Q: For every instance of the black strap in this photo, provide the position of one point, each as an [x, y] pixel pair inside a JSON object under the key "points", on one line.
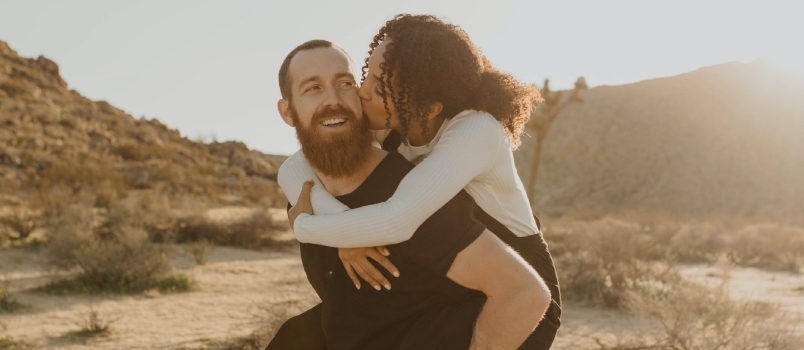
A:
{"points": [[392, 142]]}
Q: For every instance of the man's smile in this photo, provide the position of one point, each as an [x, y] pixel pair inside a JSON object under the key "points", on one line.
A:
{"points": [[333, 121]]}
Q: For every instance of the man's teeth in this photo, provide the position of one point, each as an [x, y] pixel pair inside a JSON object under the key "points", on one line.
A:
{"points": [[332, 121]]}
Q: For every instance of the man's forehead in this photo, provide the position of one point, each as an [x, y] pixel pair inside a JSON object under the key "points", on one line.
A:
{"points": [[323, 62]]}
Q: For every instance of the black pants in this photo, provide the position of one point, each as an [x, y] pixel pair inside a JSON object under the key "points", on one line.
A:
{"points": [[301, 332], [304, 332]]}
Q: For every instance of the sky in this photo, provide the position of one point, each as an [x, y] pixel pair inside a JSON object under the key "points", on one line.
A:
{"points": [[209, 68]]}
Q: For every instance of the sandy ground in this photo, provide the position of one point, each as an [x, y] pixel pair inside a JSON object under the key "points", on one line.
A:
{"points": [[238, 290], [235, 290]]}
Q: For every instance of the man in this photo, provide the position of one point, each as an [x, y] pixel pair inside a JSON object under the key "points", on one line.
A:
{"points": [[460, 287]]}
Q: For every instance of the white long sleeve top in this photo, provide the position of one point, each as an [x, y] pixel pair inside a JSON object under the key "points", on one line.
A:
{"points": [[470, 151]]}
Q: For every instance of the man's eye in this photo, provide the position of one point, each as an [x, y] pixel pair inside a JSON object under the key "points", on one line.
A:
{"points": [[348, 83], [312, 88]]}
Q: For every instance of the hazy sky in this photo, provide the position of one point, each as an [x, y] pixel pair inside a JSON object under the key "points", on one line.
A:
{"points": [[210, 67]]}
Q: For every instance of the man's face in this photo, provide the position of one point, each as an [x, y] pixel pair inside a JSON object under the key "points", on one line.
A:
{"points": [[323, 79], [326, 113], [371, 94]]}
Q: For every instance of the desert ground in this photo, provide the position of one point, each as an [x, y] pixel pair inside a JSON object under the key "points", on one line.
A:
{"points": [[240, 295]]}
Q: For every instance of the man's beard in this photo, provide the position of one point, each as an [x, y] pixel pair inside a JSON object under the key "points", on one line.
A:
{"points": [[335, 155]]}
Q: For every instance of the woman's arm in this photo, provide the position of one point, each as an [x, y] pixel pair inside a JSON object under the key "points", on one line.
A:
{"points": [[291, 177], [468, 147]]}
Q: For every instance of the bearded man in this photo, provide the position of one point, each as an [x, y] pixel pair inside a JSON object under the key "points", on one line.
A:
{"points": [[450, 266]]}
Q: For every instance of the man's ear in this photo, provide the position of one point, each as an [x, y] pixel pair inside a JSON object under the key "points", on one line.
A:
{"points": [[284, 110], [435, 110]]}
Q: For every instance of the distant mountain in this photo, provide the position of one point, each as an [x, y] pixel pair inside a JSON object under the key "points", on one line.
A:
{"points": [[721, 140], [51, 136]]}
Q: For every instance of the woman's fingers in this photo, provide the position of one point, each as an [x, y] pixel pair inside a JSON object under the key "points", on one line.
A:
{"points": [[369, 277], [383, 250], [304, 196], [380, 258], [351, 272], [303, 205], [358, 260]]}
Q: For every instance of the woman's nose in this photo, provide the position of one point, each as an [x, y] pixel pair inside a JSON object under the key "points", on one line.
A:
{"points": [[364, 92]]}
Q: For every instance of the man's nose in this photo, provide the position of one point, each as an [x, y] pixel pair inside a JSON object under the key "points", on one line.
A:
{"points": [[332, 97]]}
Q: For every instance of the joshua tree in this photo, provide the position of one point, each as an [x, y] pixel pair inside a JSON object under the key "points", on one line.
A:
{"points": [[543, 117]]}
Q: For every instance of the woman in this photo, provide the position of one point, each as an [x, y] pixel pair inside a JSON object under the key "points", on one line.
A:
{"points": [[458, 119]]}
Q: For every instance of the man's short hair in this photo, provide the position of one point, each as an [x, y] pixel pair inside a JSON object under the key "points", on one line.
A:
{"points": [[284, 74]]}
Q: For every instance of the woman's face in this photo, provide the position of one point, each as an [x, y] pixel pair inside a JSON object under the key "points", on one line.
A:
{"points": [[371, 94]]}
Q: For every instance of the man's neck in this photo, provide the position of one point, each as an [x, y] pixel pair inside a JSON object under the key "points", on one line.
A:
{"points": [[346, 185]]}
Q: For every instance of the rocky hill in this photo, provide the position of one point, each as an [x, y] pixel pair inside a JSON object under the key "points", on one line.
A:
{"points": [[724, 140], [51, 136]]}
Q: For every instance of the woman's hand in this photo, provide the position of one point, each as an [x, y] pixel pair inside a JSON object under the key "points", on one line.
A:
{"points": [[303, 205], [355, 261]]}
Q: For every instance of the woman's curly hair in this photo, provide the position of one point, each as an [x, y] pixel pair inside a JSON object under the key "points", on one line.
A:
{"points": [[428, 61]]}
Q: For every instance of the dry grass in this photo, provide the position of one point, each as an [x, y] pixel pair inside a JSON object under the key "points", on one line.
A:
{"points": [[690, 316], [21, 221], [93, 325], [764, 245], [7, 303], [117, 257], [600, 261], [200, 251], [252, 232], [9, 343]]}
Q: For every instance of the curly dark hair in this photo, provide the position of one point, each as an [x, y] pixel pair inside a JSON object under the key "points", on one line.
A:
{"points": [[429, 60]]}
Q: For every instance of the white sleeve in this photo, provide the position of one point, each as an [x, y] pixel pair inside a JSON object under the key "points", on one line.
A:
{"points": [[292, 175], [468, 147]]}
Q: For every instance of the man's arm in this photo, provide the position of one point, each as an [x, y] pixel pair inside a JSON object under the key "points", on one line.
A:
{"points": [[517, 297]]}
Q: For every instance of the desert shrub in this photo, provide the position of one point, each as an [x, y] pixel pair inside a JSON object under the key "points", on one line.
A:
{"points": [[140, 151], [200, 251], [691, 316], [769, 245], [93, 325], [144, 209], [601, 262], [7, 303], [764, 245], [21, 221], [80, 174], [118, 259], [253, 231]]}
